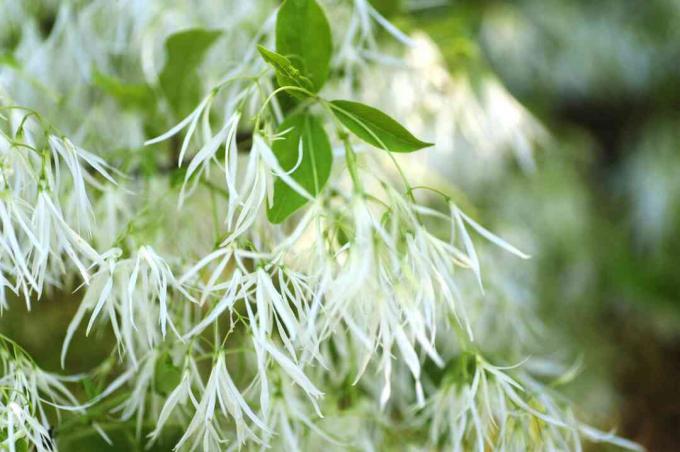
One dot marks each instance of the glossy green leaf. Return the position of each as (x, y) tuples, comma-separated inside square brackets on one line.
[(286, 73), (375, 127), (304, 37), (311, 169), (179, 78)]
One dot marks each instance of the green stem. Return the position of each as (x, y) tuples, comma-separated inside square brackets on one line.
[(351, 160)]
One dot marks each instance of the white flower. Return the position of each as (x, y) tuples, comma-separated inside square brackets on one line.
[(22, 427), (480, 406), (54, 237), (37, 230), (64, 151), (247, 203), (287, 418), (14, 227), (359, 41), (155, 279), (142, 389), (220, 396), (27, 391), (134, 295), (192, 121), (179, 397), (200, 163), (365, 287)]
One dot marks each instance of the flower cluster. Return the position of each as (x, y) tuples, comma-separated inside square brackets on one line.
[(26, 394), (236, 329), (44, 207)]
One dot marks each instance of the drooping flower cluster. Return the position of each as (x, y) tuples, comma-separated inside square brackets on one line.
[(26, 394), (45, 207)]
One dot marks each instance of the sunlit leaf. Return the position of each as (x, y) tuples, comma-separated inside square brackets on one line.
[(286, 73), (375, 127), (304, 37), (305, 152), (179, 79)]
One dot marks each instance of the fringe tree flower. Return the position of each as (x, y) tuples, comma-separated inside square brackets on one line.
[(265, 262), (26, 392)]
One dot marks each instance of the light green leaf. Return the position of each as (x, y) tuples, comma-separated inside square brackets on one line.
[(128, 95), (311, 169), (7, 59), (375, 127), (286, 73), (304, 37), (167, 376), (22, 445), (179, 79), (90, 387)]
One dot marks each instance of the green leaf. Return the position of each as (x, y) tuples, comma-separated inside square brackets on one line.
[(375, 127), (313, 169), (22, 445), (128, 95), (179, 78), (7, 59), (89, 387), (167, 376), (286, 73), (304, 37)]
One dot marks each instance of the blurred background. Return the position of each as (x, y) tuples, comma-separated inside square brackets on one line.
[(560, 121), (600, 198)]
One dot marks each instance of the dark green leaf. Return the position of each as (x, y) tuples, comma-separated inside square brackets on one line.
[(304, 37), (286, 73), (179, 78), (375, 127), (313, 169)]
